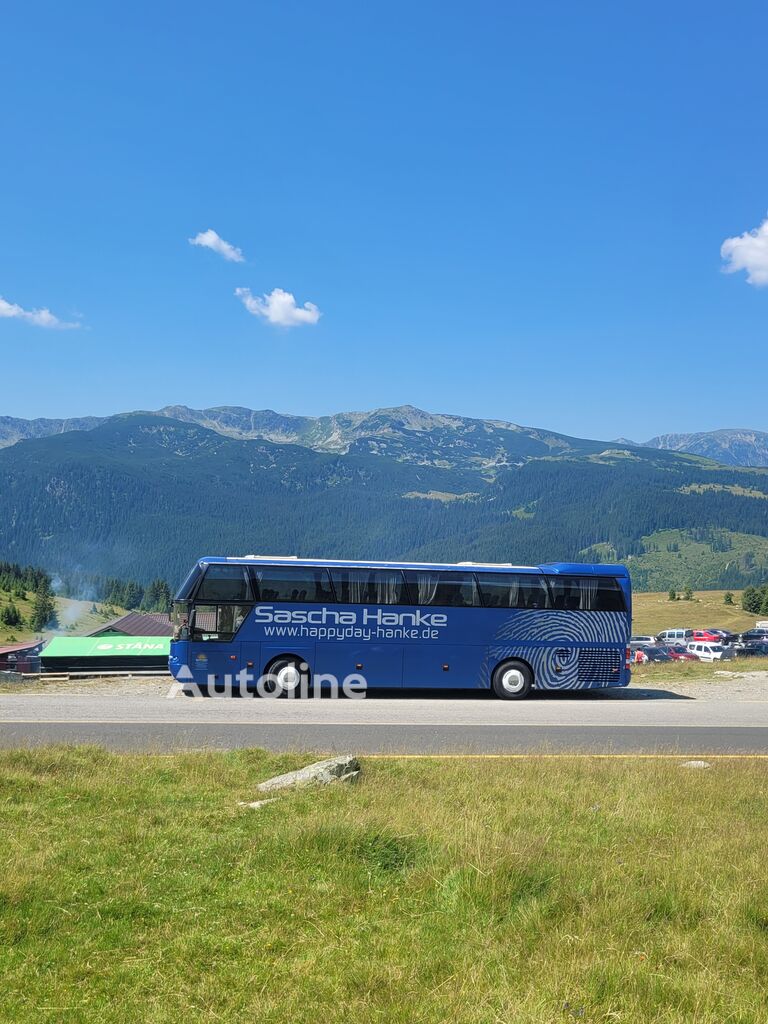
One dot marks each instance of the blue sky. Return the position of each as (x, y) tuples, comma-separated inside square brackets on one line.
[(499, 210)]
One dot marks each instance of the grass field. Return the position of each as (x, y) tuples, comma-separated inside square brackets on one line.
[(134, 888), (657, 673), (653, 612), (692, 561)]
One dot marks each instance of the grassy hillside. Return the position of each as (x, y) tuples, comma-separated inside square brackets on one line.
[(533, 890), (674, 558), (74, 617), (653, 612), (677, 558)]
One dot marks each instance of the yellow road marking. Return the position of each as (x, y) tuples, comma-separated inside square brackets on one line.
[(521, 757)]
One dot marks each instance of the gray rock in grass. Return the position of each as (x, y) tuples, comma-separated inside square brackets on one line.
[(335, 769)]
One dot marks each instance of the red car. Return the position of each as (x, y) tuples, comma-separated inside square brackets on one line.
[(706, 636), (680, 653)]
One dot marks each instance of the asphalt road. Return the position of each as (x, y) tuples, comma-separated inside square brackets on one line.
[(627, 721)]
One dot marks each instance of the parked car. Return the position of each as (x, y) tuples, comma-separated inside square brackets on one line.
[(725, 635), (642, 640), (711, 651), (674, 636), (705, 636), (679, 652), (759, 633), (753, 649)]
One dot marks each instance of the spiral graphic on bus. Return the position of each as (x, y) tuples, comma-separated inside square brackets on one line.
[(550, 642), (552, 626)]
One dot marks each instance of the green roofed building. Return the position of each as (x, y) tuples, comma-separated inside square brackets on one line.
[(106, 653)]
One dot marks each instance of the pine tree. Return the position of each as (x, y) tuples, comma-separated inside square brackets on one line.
[(10, 615), (43, 609), (751, 600), (163, 598), (132, 595), (672, 595), (728, 597), (157, 597)]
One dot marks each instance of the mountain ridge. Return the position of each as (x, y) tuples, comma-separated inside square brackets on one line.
[(404, 433), (393, 431), (731, 446)]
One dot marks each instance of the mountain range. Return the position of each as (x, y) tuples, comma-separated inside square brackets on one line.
[(144, 494), (337, 433), (734, 447)]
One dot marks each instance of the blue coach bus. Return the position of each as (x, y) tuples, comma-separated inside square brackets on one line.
[(395, 624)]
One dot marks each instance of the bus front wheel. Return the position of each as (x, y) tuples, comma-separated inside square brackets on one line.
[(512, 680), (284, 676)]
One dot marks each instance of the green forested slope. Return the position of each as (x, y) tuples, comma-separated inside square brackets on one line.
[(141, 496)]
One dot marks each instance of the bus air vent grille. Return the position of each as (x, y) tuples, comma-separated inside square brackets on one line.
[(600, 666)]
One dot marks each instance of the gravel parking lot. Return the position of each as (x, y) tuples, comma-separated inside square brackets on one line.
[(114, 686), (725, 685)]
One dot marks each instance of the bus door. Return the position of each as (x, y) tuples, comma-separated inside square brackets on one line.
[(213, 652)]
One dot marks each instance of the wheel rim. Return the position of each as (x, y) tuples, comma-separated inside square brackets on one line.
[(288, 677), (512, 680)]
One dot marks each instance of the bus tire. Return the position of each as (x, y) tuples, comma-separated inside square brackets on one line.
[(512, 680), (284, 671)]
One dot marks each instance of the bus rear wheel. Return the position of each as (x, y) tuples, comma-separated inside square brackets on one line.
[(512, 680)]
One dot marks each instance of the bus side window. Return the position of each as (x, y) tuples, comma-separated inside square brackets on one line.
[(445, 589), (296, 584), (369, 586), (217, 622), (225, 583), (609, 596), (533, 593), (558, 589), (511, 590), (204, 620), (587, 594)]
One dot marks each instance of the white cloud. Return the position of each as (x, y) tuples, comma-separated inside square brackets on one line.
[(38, 317), (279, 308), (210, 240), (748, 252)]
